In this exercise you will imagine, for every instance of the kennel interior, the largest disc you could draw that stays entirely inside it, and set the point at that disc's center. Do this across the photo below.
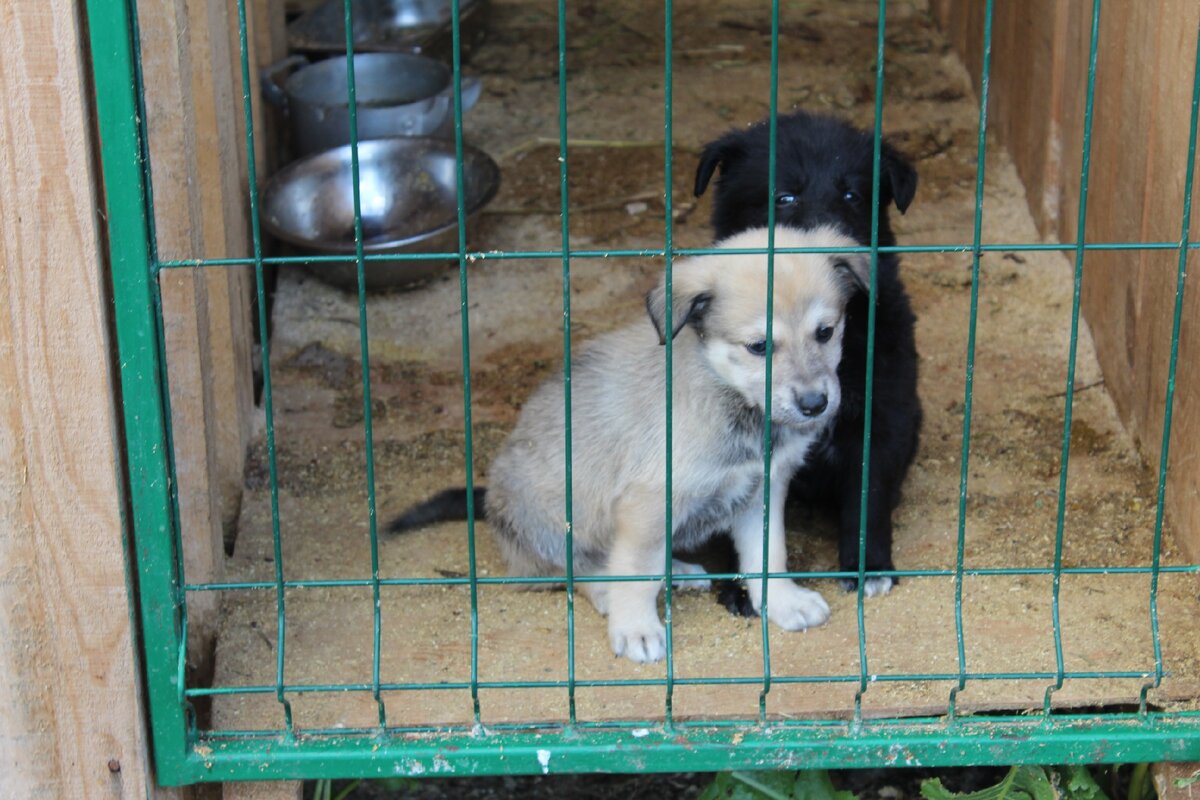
(1047, 600)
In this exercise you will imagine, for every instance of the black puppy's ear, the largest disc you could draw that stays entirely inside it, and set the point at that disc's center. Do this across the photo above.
(854, 272)
(900, 177)
(718, 153)
(686, 307)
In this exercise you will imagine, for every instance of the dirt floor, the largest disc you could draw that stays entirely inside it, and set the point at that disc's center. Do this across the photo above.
(615, 93)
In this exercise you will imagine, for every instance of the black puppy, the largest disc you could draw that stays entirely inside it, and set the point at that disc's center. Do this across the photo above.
(823, 176)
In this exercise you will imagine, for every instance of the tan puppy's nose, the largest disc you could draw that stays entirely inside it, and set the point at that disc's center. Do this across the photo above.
(811, 404)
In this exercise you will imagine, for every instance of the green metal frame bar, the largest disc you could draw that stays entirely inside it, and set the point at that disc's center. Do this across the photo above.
(143, 398)
(184, 754)
(739, 745)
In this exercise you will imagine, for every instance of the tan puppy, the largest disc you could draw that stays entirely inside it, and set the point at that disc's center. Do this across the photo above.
(619, 434)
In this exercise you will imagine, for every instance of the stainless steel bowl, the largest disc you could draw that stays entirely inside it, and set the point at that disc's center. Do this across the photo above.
(408, 198)
(405, 26)
(397, 94)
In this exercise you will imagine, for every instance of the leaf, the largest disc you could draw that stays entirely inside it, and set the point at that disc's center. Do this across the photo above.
(750, 786)
(815, 784)
(1034, 782)
(932, 789)
(812, 784)
(1079, 784)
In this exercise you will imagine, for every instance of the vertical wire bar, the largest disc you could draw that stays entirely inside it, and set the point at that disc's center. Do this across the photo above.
(870, 378)
(113, 39)
(976, 254)
(564, 212)
(365, 357)
(668, 247)
(772, 148)
(464, 315)
(1164, 451)
(1080, 235)
(268, 403)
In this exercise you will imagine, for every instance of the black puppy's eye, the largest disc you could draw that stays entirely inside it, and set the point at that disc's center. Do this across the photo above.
(758, 348)
(824, 334)
(785, 199)
(852, 197)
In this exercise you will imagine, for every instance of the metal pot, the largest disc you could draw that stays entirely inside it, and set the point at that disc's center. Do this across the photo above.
(392, 26)
(408, 197)
(398, 94)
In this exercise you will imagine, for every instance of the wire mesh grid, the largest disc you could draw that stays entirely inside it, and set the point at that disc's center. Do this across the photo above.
(186, 752)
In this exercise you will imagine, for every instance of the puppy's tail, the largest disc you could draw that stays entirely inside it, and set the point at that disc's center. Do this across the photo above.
(449, 505)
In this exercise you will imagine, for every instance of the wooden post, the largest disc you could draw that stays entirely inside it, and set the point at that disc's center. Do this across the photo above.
(71, 719)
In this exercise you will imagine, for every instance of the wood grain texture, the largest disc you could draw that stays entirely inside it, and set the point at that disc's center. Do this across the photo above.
(263, 790)
(1144, 78)
(70, 711)
(197, 156)
(1177, 781)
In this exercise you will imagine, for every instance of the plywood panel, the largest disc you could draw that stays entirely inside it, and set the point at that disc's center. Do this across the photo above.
(1144, 78)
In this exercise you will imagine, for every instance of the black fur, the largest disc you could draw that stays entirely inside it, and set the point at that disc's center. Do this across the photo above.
(823, 176)
(449, 505)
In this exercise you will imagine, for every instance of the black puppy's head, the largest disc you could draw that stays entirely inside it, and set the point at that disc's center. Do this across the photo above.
(823, 170)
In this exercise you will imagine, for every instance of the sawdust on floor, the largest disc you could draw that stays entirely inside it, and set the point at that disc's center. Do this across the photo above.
(615, 95)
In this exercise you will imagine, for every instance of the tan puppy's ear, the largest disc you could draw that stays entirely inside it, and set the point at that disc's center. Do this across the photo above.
(853, 271)
(691, 295)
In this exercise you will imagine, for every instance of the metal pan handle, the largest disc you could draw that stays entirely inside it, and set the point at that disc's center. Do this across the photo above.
(272, 74)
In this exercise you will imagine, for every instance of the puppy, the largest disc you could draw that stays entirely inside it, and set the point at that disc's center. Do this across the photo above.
(618, 394)
(823, 177)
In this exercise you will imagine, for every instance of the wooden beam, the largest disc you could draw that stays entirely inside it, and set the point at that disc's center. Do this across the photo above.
(70, 710)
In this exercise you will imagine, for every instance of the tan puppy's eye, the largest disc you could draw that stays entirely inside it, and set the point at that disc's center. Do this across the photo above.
(758, 348)
(824, 334)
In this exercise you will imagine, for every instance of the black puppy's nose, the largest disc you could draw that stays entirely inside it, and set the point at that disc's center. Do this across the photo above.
(811, 403)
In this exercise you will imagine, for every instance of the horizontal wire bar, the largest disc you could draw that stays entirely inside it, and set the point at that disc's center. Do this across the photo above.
(720, 576)
(650, 252)
(897, 677)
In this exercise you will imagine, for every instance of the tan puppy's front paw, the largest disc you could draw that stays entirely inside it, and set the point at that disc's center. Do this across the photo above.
(643, 641)
(794, 608)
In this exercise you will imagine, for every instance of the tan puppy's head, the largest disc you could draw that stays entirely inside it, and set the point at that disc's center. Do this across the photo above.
(723, 300)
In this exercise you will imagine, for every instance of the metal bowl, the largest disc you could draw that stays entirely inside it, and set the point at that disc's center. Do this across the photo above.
(397, 94)
(408, 197)
(405, 26)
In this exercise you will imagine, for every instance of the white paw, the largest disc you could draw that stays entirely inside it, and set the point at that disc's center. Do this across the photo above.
(874, 587)
(641, 640)
(794, 608)
(686, 568)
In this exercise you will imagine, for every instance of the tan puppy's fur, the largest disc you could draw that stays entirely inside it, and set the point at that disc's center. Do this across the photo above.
(619, 434)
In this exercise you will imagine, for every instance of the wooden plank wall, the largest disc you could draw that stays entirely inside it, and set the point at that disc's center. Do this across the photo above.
(70, 710)
(1144, 78)
(194, 116)
(72, 721)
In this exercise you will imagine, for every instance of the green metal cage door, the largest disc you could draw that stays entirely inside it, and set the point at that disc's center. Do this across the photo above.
(185, 753)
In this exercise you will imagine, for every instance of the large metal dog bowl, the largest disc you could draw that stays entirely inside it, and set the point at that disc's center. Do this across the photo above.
(409, 205)
(397, 94)
(404, 26)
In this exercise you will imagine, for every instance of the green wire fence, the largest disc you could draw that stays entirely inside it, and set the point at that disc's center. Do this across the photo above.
(185, 752)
